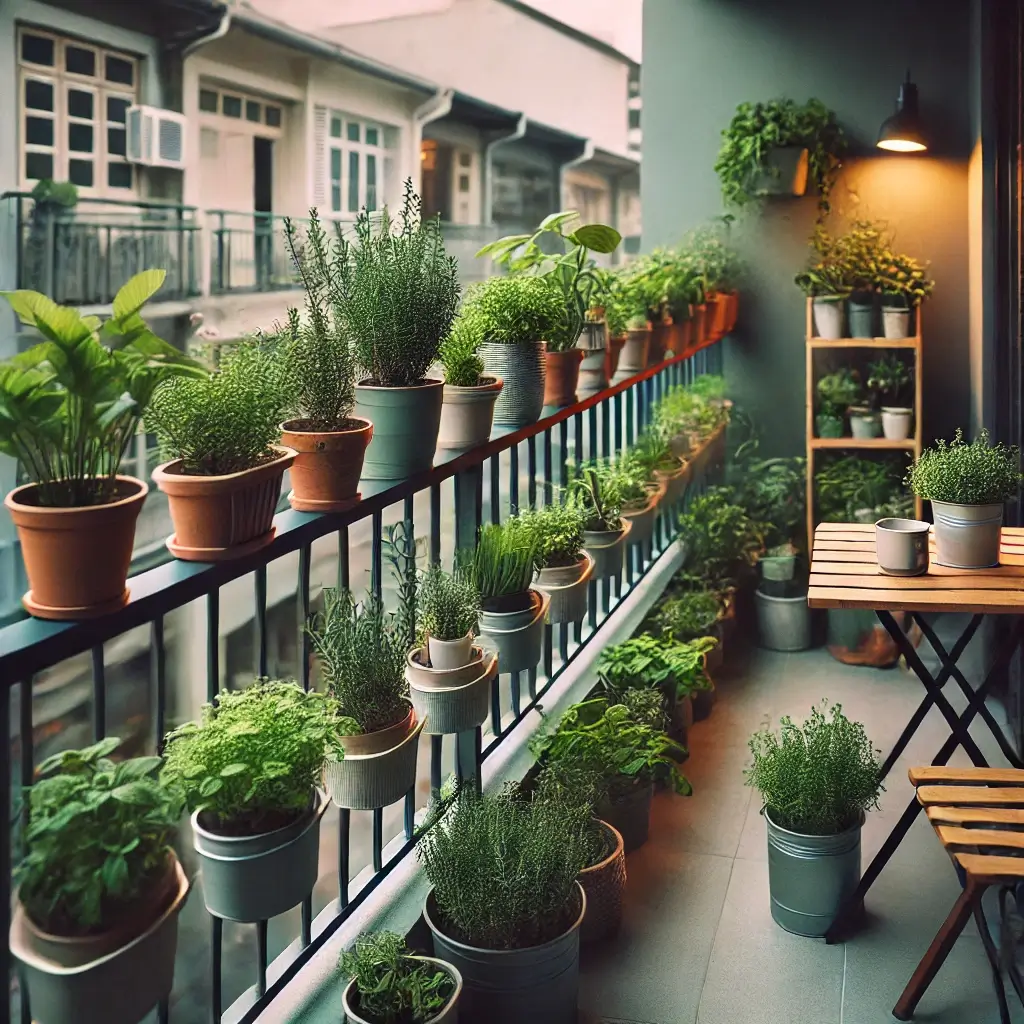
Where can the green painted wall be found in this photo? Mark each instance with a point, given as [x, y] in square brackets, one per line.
[703, 57]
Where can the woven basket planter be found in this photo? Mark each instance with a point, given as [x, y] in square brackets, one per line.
[606, 547]
[521, 367]
[516, 636]
[604, 884]
[642, 520]
[566, 588]
[630, 815]
[444, 700]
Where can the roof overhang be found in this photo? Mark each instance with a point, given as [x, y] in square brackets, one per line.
[565, 145]
[487, 117]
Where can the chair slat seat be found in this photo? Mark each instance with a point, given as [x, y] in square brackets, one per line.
[984, 796]
[940, 813]
[951, 836]
[990, 869]
[936, 773]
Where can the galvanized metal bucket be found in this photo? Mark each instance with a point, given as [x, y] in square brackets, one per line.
[521, 367]
[967, 536]
[784, 623]
[566, 587]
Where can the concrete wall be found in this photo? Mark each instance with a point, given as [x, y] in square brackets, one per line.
[703, 57]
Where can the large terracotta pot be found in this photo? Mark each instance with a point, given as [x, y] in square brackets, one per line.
[325, 473]
[467, 414]
[561, 376]
[611, 356]
[221, 517]
[633, 357]
[76, 559]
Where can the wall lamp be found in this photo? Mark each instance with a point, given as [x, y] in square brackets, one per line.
[901, 133]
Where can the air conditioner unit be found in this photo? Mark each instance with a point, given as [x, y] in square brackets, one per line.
[156, 137]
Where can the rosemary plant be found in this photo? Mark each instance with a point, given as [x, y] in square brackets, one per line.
[559, 529]
[448, 603]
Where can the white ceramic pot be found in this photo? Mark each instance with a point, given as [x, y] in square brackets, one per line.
[467, 414]
[895, 322]
[566, 588]
[828, 317]
[896, 422]
[901, 546]
[449, 654]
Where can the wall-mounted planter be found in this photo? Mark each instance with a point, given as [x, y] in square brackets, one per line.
[252, 878]
[217, 518]
[604, 884]
[673, 482]
[467, 414]
[91, 981]
[449, 1014]
[325, 473]
[448, 702]
[606, 548]
[784, 173]
[895, 322]
[611, 356]
[828, 317]
[561, 377]
[635, 352]
[517, 636]
[566, 589]
[630, 815]
[642, 519]
[521, 367]
[405, 425]
[896, 421]
[76, 559]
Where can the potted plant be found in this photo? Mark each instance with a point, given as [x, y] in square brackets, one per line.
[967, 484]
[720, 542]
[249, 770]
[397, 292]
[904, 287]
[771, 148]
[851, 488]
[652, 452]
[816, 782]
[224, 467]
[513, 315]
[71, 407]
[773, 491]
[640, 498]
[448, 605]
[564, 569]
[95, 923]
[505, 907]
[889, 380]
[836, 393]
[467, 412]
[617, 313]
[863, 251]
[824, 282]
[688, 613]
[595, 344]
[361, 652]
[512, 613]
[596, 488]
[389, 984]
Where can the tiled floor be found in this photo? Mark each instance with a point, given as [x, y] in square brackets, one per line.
[699, 946]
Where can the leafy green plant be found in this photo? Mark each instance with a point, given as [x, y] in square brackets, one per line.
[713, 260]
[852, 488]
[774, 493]
[978, 473]
[688, 614]
[652, 451]
[817, 778]
[838, 391]
[559, 530]
[448, 603]
[597, 488]
[514, 310]
[71, 405]
[888, 379]
[390, 986]
[758, 128]
[504, 869]
[397, 292]
[462, 365]
[361, 650]
[98, 838]
[673, 667]
[250, 763]
[902, 281]
[720, 541]
[506, 556]
[54, 196]
[709, 386]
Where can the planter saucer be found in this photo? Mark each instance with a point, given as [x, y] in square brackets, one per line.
[219, 554]
[313, 505]
[58, 613]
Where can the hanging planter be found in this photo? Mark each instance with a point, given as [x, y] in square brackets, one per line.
[604, 884]
[630, 815]
[642, 519]
[784, 172]
[561, 377]
[606, 548]
[634, 357]
[566, 588]
[467, 414]
[328, 464]
[406, 420]
[611, 357]
[521, 367]
[452, 701]
[673, 482]
[828, 316]
[517, 635]
[448, 1014]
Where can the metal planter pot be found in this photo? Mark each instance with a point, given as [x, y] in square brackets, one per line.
[521, 367]
[630, 815]
[539, 984]
[405, 425]
[594, 342]
[606, 548]
[810, 877]
[454, 708]
[642, 520]
[120, 987]
[828, 317]
[517, 636]
[783, 623]
[967, 536]
[604, 885]
[862, 319]
[865, 424]
[566, 589]
[448, 1015]
[252, 878]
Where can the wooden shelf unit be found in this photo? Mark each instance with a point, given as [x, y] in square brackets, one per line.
[911, 444]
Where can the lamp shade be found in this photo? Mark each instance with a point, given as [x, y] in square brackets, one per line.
[902, 132]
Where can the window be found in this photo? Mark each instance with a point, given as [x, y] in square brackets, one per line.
[241, 108]
[355, 160]
[73, 112]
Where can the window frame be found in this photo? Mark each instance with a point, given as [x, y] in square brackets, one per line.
[363, 151]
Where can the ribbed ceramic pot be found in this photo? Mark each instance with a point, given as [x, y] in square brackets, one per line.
[658, 346]
[566, 589]
[379, 777]
[454, 708]
[967, 536]
[673, 483]
[861, 316]
[521, 368]
[784, 623]
[325, 473]
[467, 414]
[405, 425]
[895, 322]
[606, 548]
[810, 877]
[828, 317]
[561, 377]
[253, 878]
[539, 984]
[120, 987]
[604, 884]
[865, 424]
[516, 636]
[449, 1014]
[896, 421]
[630, 815]
[633, 357]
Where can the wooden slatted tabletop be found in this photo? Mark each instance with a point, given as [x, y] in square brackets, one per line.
[845, 574]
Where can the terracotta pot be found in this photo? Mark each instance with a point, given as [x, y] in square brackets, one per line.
[711, 316]
[561, 376]
[221, 517]
[659, 343]
[633, 357]
[467, 414]
[734, 310]
[325, 473]
[700, 324]
[611, 356]
[76, 559]
[604, 883]
[643, 518]
[723, 313]
[683, 340]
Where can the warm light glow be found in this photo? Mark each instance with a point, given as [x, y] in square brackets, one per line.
[901, 146]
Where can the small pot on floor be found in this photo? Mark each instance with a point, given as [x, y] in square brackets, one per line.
[703, 700]
[405, 425]
[896, 421]
[895, 322]
[634, 355]
[827, 425]
[967, 536]
[448, 1014]
[606, 548]
[516, 634]
[630, 814]
[467, 414]
[561, 377]
[605, 885]
[783, 622]
[865, 423]
[325, 473]
[828, 317]
[566, 587]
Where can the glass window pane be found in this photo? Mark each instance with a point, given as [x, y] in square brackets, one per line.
[273, 116]
[352, 130]
[119, 175]
[38, 95]
[80, 172]
[39, 131]
[372, 137]
[80, 104]
[79, 61]
[80, 137]
[117, 109]
[463, 182]
[38, 165]
[335, 127]
[335, 165]
[208, 100]
[37, 50]
[252, 111]
[117, 141]
[353, 182]
[336, 198]
[232, 106]
[120, 70]
[371, 180]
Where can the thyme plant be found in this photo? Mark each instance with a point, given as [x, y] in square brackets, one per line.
[448, 603]
[513, 310]
[978, 473]
[559, 530]
[462, 365]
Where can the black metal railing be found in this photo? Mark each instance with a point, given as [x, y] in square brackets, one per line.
[81, 255]
[448, 503]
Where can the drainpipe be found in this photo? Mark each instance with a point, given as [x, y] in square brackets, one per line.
[587, 154]
[439, 105]
[218, 33]
[487, 192]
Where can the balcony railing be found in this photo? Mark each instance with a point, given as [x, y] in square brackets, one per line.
[247, 252]
[448, 504]
[83, 254]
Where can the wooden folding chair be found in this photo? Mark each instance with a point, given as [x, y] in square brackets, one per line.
[978, 815]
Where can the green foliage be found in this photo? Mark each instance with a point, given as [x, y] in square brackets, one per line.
[504, 869]
[559, 531]
[54, 196]
[361, 650]
[98, 838]
[228, 421]
[251, 761]
[758, 128]
[597, 489]
[720, 540]
[71, 405]
[504, 561]
[817, 778]
[688, 614]
[686, 410]
[391, 987]
[462, 365]
[513, 310]
[711, 258]
[709, 386]
[643, 287]
[448, 603]
[978, 473]
[673, 667]
[652, 451]
[889, 379]
[838, 391]
[902, 281]
[852, 488]
[620, 307]
[397, 292]
[774, 493]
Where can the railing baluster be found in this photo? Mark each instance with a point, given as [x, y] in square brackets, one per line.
[158, 675]
[343, 569]
[261, 958]
[260, 621]
[548, 651]
[435, 524]
[531, 469]
[563, 454]
[216, 950]
[436, 752]
[496, 705]
[306, 922]
[495, 490]
[617, 417]
[5, 848]
[595, 453]
[344, 830]
[305, 557]
[410, 814]
[629, 418]
[378, 838]
[26, 736]
[212, 644]
[513, 478]
[548, 496]
[99, 695]
[514, 690]
[376, 584]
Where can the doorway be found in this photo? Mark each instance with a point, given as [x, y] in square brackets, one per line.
[263, 207]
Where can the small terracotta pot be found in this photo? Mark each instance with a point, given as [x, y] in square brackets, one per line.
[217, 518]
[660, 336]
[604, 883]
[381, 740]
[325, 473]
[700, 324]
[467, 414]
[711, 316]
[611, 356]
[562, 374]
[76, 559]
